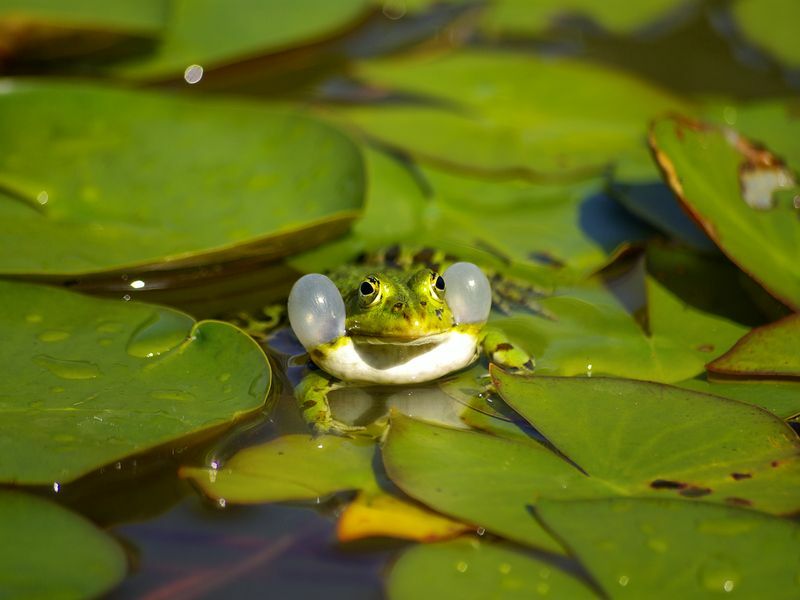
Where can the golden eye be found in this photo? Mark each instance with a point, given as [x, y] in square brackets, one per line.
[369, 290]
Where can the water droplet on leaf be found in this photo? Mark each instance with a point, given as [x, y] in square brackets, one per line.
[68, 369]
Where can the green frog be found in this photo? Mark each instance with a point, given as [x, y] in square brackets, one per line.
[392, 325]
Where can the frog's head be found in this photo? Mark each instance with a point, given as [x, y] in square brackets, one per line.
[390, 306]
[398, 306]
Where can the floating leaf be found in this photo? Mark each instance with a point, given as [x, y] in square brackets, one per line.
[50, 552]
[781, 398]
[769, 351]
[729, 185]
[642, 438]
[469, 568]
[636, 548]
[98, 380]
[770, 25]
[291, 467]
[377, 513]
[116, 179]
[213, 33]
[480, 479]
[503, 113]
[679, 342]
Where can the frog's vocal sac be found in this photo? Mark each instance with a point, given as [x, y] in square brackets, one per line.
[395, 326]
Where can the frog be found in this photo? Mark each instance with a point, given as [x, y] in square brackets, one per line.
[401, 324]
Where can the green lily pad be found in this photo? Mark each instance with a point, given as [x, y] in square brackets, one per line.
[118, 180]
[469, 568]
[479, 478]
[769, 351]
[728, 185]
[756, 19]
[636, 548]
[291, 467]
[679, 340]
[213, 33]
[511, 114]
[562, 231]
[98, 380]
[50, 552]
[642, 438]
[781, 398]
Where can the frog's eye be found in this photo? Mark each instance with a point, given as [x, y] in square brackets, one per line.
[469, 295]
[316, 310]
[370, 291]
[437, 286]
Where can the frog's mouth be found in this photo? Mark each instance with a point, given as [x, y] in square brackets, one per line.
[433, 339]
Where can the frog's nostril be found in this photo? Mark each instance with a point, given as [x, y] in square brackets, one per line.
[398, 306]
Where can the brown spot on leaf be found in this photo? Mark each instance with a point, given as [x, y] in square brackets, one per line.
[705, 348]
[665, 484]
[738, 476]
[775, 463]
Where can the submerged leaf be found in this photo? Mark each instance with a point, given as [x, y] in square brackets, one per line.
[116, 179]
[769, 351]
[98, 380]
[646, 548]
[50, 552]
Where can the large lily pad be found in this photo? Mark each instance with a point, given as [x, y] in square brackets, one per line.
[469, 568]
[781, 398]
[117, 179]
[771, 350]
[98, 380]
[756, 19]
[668, 549]
[213, 33]
[728, 186]
[506, 113]
[50, 552]
[640, 438]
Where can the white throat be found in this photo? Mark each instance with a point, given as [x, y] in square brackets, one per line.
[383, 363]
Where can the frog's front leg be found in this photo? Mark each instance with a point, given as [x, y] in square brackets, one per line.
[312, 397]
[501, 351]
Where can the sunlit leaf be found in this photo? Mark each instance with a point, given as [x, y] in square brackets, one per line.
[731, 187]
[468, 568]
[377, 513]
[503, 113]
[636, 548]
[771, 350]
[642, 438]
[116, 179]
[50, 552]
[291, 467]
[213, 33]
[97, 380]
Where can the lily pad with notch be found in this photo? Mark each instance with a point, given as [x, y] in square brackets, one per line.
[98, 380]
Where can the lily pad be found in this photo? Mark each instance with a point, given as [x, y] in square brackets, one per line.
[511, 114]
[470, 568]
[89, 170]
[636, 548]
[781, 398]
[592, 334]
[728, 184]
[769, 351]
[640, 438]
[98, 380]
[756, 19]
[291, 467]
[50, 552]
[213, 33]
